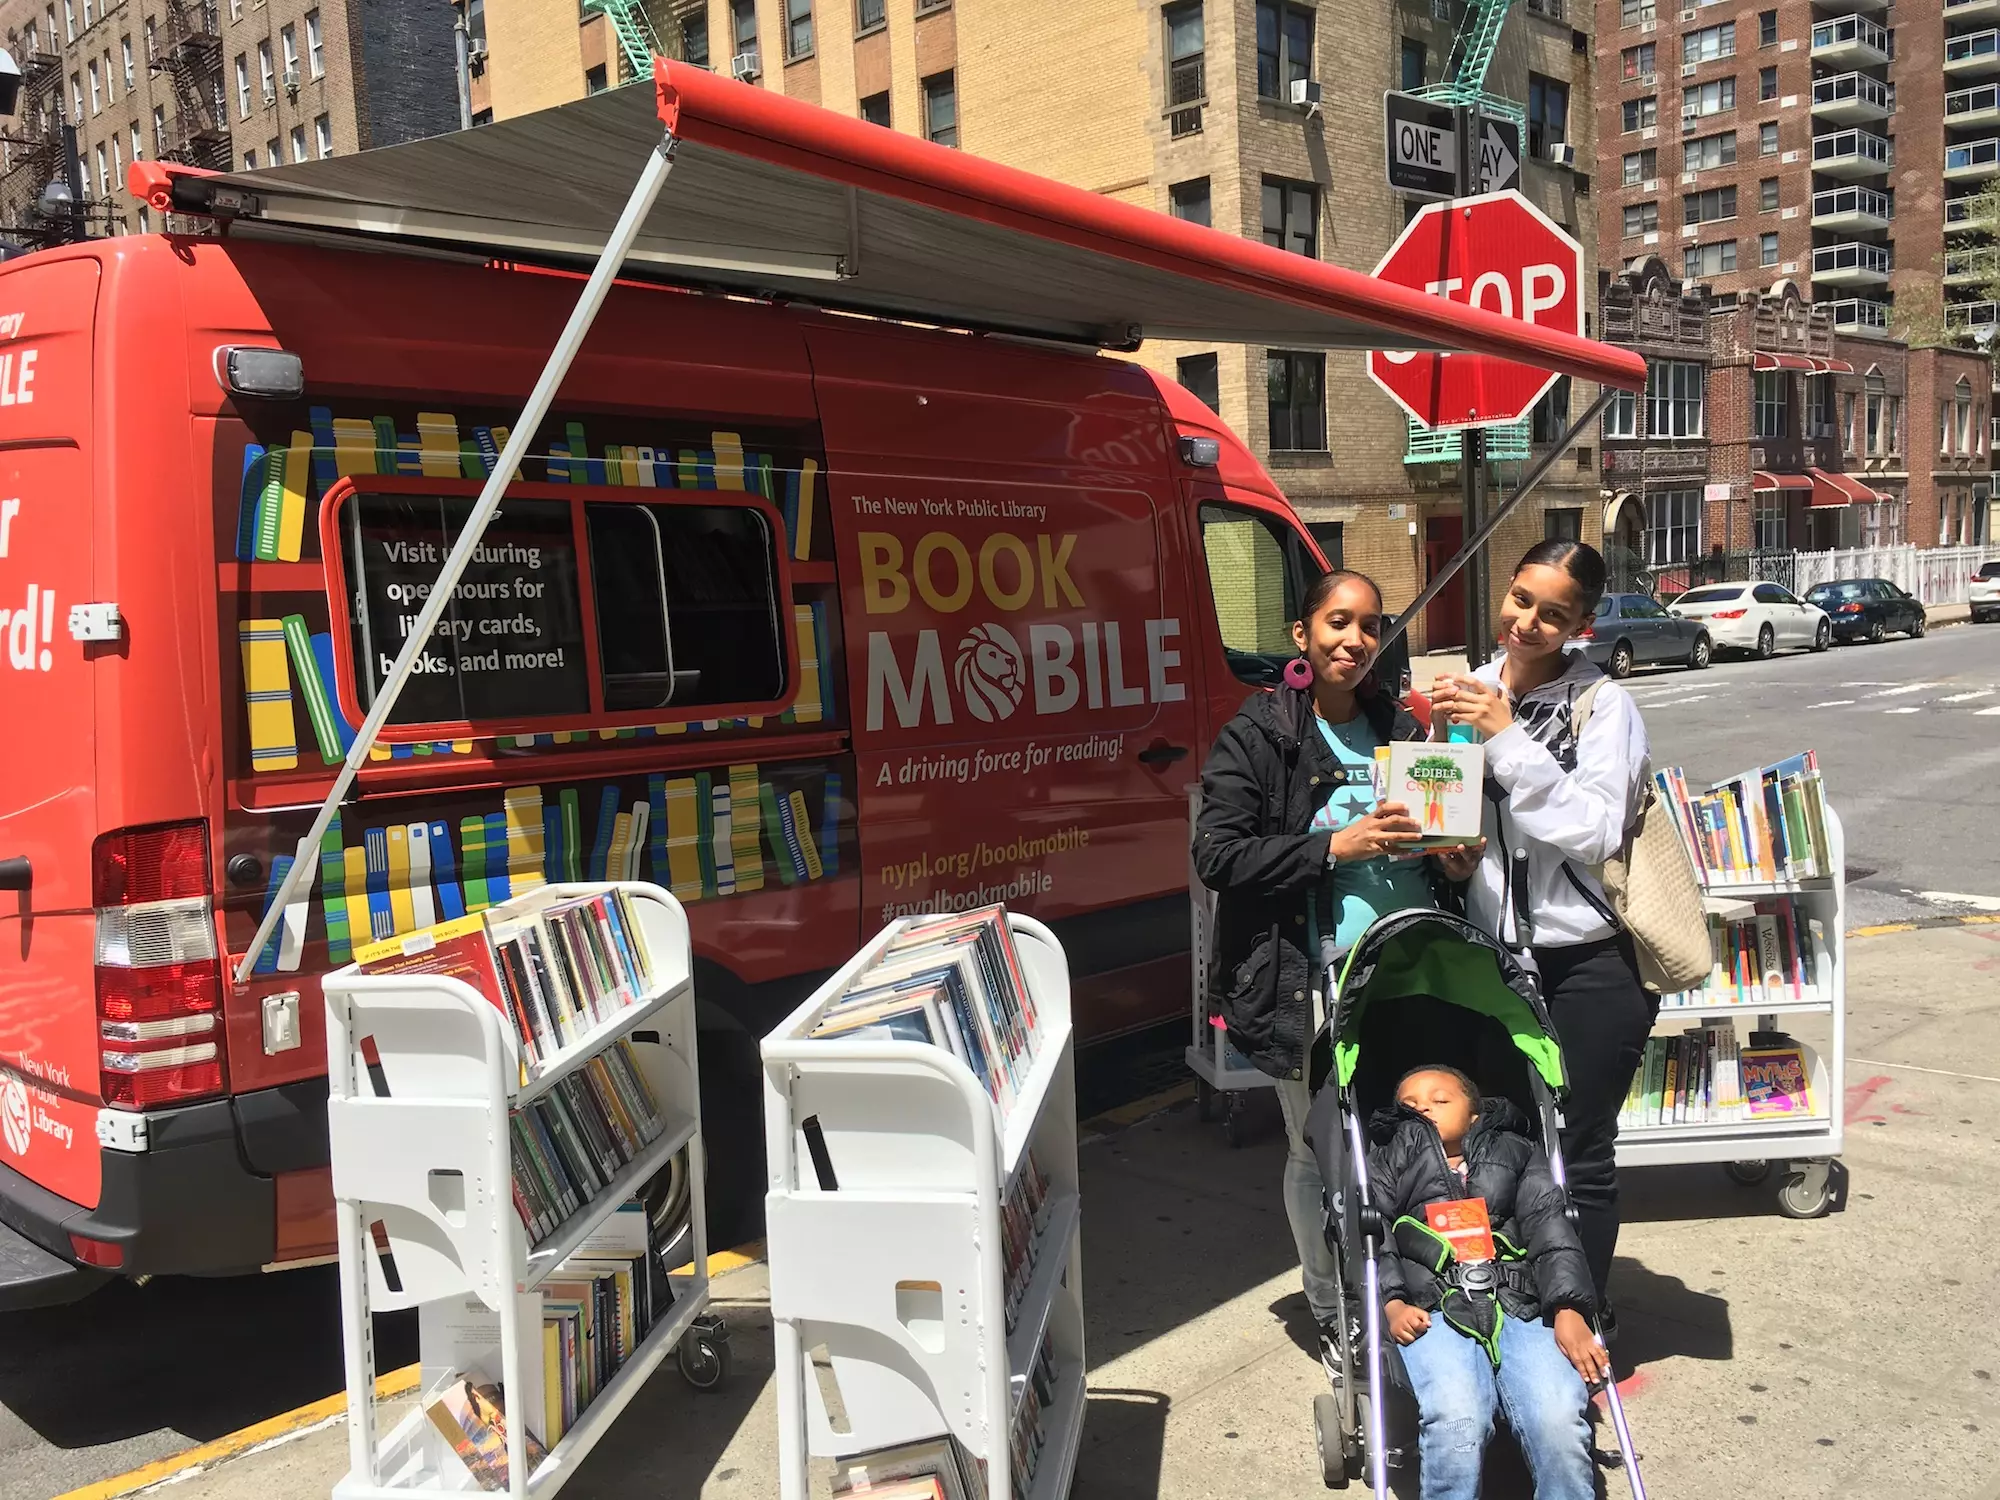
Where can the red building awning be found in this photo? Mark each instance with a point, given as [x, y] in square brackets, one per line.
[1763, 361]
[1763, 481]
[1831, 366]
[1830, 489]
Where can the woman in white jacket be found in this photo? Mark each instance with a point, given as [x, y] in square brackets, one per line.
[1558, 807]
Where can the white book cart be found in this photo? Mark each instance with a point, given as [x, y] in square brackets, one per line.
[423, 1072]
[1222, 1076]
[888, 1165]
[1807, 1145]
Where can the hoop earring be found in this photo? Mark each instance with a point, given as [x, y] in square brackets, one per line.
[1298, 673]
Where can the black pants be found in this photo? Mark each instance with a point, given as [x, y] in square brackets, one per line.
[1602, 1016]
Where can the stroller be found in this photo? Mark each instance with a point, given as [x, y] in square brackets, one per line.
[1418, 987]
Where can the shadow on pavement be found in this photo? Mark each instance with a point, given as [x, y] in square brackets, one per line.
[1665, 1195]
[198, 1357]
[1124, 1438]
[1662, 1317]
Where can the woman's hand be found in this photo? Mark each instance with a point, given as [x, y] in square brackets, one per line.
[1380, 831]
[1460, 863]
[1470, 701]
[1580, 1347]
[1407, 1323]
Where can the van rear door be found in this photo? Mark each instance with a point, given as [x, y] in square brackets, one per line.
[48, 772]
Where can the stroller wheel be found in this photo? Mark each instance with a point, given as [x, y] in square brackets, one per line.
[1204, 1100]
[1335, 1443]
[1748, 1173]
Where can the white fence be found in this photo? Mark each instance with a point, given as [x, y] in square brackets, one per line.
[1936, 575]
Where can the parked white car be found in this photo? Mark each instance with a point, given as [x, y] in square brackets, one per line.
[1986, 593]
[1761, 618]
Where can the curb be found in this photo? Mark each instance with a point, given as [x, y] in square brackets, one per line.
[309, 1418]
[1925, 924]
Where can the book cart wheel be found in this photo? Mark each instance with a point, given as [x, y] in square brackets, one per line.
[1237, 1125]
[1333, 1439]
[1807, 1193]
[1747, 1173]
[1204, 1101]
[704, 1354]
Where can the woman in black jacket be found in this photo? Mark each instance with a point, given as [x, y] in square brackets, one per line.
[1298, 853]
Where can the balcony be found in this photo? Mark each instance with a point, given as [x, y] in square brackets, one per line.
[1860, 315]
[1853, 154]
[1851, 209]
[1970, 267]
[1972, 10]
[1973, 161]
[1505, 444]
[1852, 99]
[1974, 56]
[1851, 42]
[1969, 317]
[1959, 215]
[1973, 106]
[1851, 263]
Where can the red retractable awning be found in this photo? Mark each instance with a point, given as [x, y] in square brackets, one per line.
[774, 197]
[1763, 481]
[1831, 366]
[1830, 489]
[1762, 361]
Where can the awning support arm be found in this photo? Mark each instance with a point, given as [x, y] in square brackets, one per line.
[533, 413]
[1479, 538]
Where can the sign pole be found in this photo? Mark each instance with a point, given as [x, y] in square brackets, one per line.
[1471, 442]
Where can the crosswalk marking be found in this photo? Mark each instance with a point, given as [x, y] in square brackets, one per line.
[1833, 703]
[1967, 697]
[1986, 713]
[1670, 702]
[1867, 684]
[1908, 687]
[1901, 710]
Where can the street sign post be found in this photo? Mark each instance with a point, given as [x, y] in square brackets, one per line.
[1422, 142]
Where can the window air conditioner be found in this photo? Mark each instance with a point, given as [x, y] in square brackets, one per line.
[1687, 15]
[1305, 92]
[291, 80]
[270, 96]
[1688, 70]
[744, 66]
[1562, 154]
[1648, 28]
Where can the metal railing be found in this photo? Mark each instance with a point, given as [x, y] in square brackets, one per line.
[1853, 200]
[1845, 143]
[1845, 31]
[1854, 88]
[1851, 255]
[1976, 47]
[1963, 317]
[1862, 313]
[1973, 156]
[1428, 445]
[1980, 99]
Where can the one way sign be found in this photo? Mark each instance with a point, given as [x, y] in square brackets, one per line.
[1422, 139]
[1499, 155]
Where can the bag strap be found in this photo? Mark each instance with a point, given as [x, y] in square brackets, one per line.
[1580, 716]
[1580, 711]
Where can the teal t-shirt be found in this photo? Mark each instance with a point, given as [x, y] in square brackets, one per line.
[1366, 889]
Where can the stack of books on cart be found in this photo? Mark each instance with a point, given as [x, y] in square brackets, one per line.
[558, 969]
[1760, 828]
[571, 1143]
[1766, 953]
[954, 982]
[1705, 1076]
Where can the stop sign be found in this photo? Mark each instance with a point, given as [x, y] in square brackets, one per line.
[1498, 252]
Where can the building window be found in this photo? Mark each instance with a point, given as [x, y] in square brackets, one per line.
[69, 20]
[1202, 375]
[1712, 98]
[798, 29]
[117, 159]
[929, 5]
[1189, 200]
[152, 41]
[1963, 404]
[1563, 523]
[1819, 406]
[1641, 166]
[1768, 402]
[264, 75]
[1767, 138]
[1636, 62]
[1548, 114]
[869, 14]
[1332, 539]
[1768, 526]
[743, 29]
[138, 145]
[323, 135]
[1187, 80]
[96, 89]
[875, 108]
[1291, 216]
[125, 56]
[1767, 195]
[1708, 44]
[316, 43]
[103, 174]
[1416, 63]
[76, 96]
[1767, 83]
[1944, 427]
[1621, 417]
[1550, 416]
[1875, 414]
[274, 153]
[694, 37]
[1767, 28]
[1674, 399]
[1641, 114]
[1708, 152]
[941, 109]
[1767, 249]
[298, 143]
[288, 49]
[159, 130]
[1710, 260]
[1634, 12]
[1701, 208]
[1284, 47]
[1641, 218]
[596, 80]
[1297, 398]
[1673, 527]
[483, 116]
[249, 161]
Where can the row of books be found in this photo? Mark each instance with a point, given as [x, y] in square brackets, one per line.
[597, 1308]
[471, 1416]
[556, 968]
[1024, 1214]
[1766, 953]
[941, 1469]
[569, 1144]
[1763, 826]
[952, 981]
[1704, 1076]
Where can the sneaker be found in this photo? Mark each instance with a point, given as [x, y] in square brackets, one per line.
[1607, 1324]
[1329, 1349]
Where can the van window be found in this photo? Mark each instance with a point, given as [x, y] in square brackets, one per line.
[1258, 570]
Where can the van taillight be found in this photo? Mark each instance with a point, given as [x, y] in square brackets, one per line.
[159, 979]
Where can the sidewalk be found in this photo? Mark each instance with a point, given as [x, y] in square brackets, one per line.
[1809, 1360]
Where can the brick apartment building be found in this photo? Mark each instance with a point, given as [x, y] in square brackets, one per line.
[216, 83]
[1183, 107]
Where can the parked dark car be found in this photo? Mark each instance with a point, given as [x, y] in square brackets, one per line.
[1636, 630]
[1868, 609]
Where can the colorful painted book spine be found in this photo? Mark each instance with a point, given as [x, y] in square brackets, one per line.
[728, 460]
[704, 811]
[402, 909]
[324, 471]
[246, 504]
[409, 455]
[293, 497]
[444, 869]
[437, 437]
[488, 440]
[523, 821]
[381, 915]
[388, 446]
[607, 823]
[423, 900]
[353, 446]
[689, 469]
[499, 862]
[788, 510]
[799, 831]
[572, 821]
[641, 814]
[823, 648]
[270, 504]
[802, 532]
[591, 470]
[472, 835]
[829, 824]
[319, 707]
[745, 827]
[552, 840]
[267, 692]
[287, 941]
[783, 837]
[722, 841]
[642, 466]
[807, 707]
[339, 944]
[678, 834]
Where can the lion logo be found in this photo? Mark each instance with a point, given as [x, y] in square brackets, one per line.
[14, 1116]
[990, 672]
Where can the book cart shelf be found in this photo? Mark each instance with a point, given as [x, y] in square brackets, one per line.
[1807, 1144]
[888, 1166]
[423, 1073]
[1222, 1078]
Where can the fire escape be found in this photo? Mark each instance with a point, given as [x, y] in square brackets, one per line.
[192, 60]
[35, 155]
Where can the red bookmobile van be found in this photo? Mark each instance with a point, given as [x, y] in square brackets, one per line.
[814, 619]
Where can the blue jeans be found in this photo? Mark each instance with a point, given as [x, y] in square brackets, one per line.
[1457, 1387]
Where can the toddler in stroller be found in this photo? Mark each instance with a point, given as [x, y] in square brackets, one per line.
[1464, 1279]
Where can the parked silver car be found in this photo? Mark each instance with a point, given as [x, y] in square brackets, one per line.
[1636, 630]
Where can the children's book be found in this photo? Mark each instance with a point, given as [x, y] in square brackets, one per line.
[1777, 1082]
[1440, 784]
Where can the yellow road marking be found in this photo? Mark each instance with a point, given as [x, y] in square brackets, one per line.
[1139, 1109]
[1885, 928]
